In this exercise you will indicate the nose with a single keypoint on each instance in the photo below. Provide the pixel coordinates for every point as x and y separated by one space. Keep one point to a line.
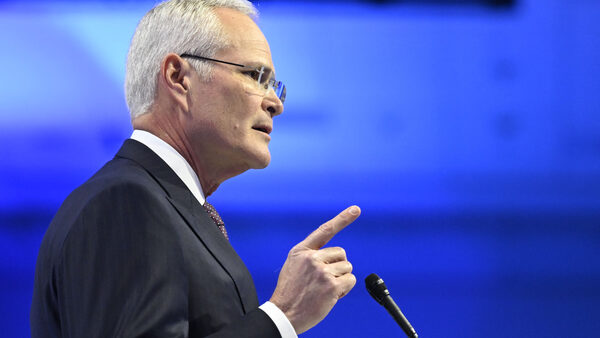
272 104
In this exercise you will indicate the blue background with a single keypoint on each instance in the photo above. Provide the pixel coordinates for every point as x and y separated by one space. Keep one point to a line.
468 134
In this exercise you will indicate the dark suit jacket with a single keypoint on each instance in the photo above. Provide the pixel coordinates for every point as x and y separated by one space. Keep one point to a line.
131 253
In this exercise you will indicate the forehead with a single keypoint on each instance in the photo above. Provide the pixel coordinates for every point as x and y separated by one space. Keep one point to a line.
247 42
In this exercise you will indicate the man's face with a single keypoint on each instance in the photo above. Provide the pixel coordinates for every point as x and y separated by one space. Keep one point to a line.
230 116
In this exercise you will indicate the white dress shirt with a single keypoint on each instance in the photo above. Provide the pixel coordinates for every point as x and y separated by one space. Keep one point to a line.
185 172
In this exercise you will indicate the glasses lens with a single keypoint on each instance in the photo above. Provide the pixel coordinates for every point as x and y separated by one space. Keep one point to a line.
278 87
280 91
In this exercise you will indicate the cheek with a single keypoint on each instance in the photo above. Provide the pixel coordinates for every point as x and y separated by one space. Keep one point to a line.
239 110
244 113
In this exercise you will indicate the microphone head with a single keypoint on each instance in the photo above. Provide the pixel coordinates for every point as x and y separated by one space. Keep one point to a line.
376 287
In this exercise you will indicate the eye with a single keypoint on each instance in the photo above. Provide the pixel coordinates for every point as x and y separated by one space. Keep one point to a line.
261 75
253 74
266 77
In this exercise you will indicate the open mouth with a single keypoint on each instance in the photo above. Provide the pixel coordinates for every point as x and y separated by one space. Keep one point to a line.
265 129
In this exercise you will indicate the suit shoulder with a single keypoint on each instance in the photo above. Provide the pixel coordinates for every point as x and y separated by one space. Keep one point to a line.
118 176
120 172
119 189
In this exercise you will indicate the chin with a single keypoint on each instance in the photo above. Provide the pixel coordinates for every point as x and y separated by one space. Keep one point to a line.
261 160
254 156
264 163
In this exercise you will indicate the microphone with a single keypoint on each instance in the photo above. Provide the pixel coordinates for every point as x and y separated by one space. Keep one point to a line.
380 293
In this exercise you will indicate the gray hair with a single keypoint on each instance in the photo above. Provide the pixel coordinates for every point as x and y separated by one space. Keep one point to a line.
176 26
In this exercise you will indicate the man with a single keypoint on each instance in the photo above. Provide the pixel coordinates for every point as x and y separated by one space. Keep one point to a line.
137 250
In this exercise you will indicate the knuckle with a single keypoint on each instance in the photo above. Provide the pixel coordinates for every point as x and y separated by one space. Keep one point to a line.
331 282
313 256
344 216
295 254
322 269
327 228
346 286
315 265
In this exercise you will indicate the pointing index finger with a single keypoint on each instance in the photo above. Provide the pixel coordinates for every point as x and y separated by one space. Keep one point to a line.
324 233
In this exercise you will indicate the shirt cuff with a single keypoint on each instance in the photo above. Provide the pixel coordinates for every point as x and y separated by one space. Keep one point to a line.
286 330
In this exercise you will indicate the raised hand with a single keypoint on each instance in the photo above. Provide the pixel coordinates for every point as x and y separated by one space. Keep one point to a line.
313 278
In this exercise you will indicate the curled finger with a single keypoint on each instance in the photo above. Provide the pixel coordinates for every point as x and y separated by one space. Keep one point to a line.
331 255
339 268
346 283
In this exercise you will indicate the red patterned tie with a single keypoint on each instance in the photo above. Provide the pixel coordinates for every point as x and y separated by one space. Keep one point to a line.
214 215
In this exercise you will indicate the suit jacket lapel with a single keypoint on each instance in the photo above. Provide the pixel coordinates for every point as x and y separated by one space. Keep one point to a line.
196 217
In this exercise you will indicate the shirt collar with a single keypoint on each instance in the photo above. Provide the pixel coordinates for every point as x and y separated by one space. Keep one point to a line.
173 159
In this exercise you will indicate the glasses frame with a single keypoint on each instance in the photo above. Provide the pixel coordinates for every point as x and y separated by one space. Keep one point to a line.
277 86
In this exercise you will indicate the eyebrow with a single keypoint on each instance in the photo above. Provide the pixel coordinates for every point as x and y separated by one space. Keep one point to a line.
257 65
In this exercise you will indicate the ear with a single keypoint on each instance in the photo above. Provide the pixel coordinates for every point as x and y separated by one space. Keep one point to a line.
175 79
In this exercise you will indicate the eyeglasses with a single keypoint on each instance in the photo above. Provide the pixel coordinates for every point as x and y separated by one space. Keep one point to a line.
260 75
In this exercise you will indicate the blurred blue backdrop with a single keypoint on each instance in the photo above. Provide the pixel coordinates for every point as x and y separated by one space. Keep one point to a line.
468 133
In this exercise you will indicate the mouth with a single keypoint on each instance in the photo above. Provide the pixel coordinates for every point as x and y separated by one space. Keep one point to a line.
263 128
